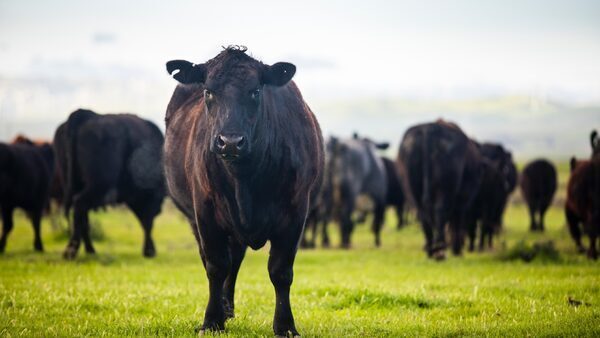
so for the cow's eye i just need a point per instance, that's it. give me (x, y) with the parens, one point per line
(255, 94)
(208, 95)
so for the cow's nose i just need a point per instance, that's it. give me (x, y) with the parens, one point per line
(230, 144)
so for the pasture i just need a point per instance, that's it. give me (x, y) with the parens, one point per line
(367, 292)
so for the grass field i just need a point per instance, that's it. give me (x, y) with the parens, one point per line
(367, 292)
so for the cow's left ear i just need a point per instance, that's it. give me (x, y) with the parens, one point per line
(186, 72)
(278, 74)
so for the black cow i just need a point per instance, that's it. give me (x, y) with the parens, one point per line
(395, 195)
(25, 174)
(538, 185)
(109, 159)
(56, 185)
(583, 203)
(243, 160)
(440, 170)
(321, 212)
(498, 181)
(358, 171)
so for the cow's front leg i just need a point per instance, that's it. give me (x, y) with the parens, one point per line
(217, 262)
(281, 272)
(237, 252)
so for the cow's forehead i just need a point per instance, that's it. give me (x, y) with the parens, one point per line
(235, 76)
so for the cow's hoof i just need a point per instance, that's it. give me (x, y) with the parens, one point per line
(204, 332)
(149, 252)
(289, 334)
(213, 328)
(70, 253)
(439, 255)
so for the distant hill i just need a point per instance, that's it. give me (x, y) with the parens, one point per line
(529, 126)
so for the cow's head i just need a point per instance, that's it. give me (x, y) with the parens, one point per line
(234, 84)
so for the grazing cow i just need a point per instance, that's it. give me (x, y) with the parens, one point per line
(538, 184)
(25, 174)
(498, 181)
(56, 185)
(583, 203)
(109, 159)
(595, 141)
(395, 194)
(358, 171)
(243, 160)
(440, 170)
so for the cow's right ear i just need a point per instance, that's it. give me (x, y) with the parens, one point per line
(573, 163)
(594, 140)
(186, 72)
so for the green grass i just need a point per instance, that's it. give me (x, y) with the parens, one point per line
(366, 292)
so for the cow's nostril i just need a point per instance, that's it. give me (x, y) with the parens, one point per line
(220, 141)
(241, 143)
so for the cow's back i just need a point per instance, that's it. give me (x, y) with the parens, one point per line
(27, 178)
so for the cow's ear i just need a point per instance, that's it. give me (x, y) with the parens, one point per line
(573, 163)
(186, 72)
(594, 139)
(382, 146)
(278, 74)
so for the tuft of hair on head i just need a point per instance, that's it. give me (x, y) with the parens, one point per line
(235, 48)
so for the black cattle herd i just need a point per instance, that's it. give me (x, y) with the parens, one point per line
(243, 158)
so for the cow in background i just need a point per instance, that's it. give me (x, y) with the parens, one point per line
(25, 175)
(440, 170)
(321, 212)
(395, 195)
(538, 185)
(498, 181)
(358, 171)
(105, 160)
(56, 184)
(583, 203)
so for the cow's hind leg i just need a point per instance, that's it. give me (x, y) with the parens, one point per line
(573, 222)
(36, 218)
(237, 252)
(324, 233)
(378, 222)
(146, 217)
(81, 207)
(7, 226)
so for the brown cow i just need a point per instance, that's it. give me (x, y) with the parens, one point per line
(243, 160)
(583, 203)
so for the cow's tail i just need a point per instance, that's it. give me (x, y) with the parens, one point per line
(76, 119)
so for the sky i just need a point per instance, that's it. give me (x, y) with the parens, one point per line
(109, 55)
(415, 48)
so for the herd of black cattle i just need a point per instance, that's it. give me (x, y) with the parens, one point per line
(244, 160)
